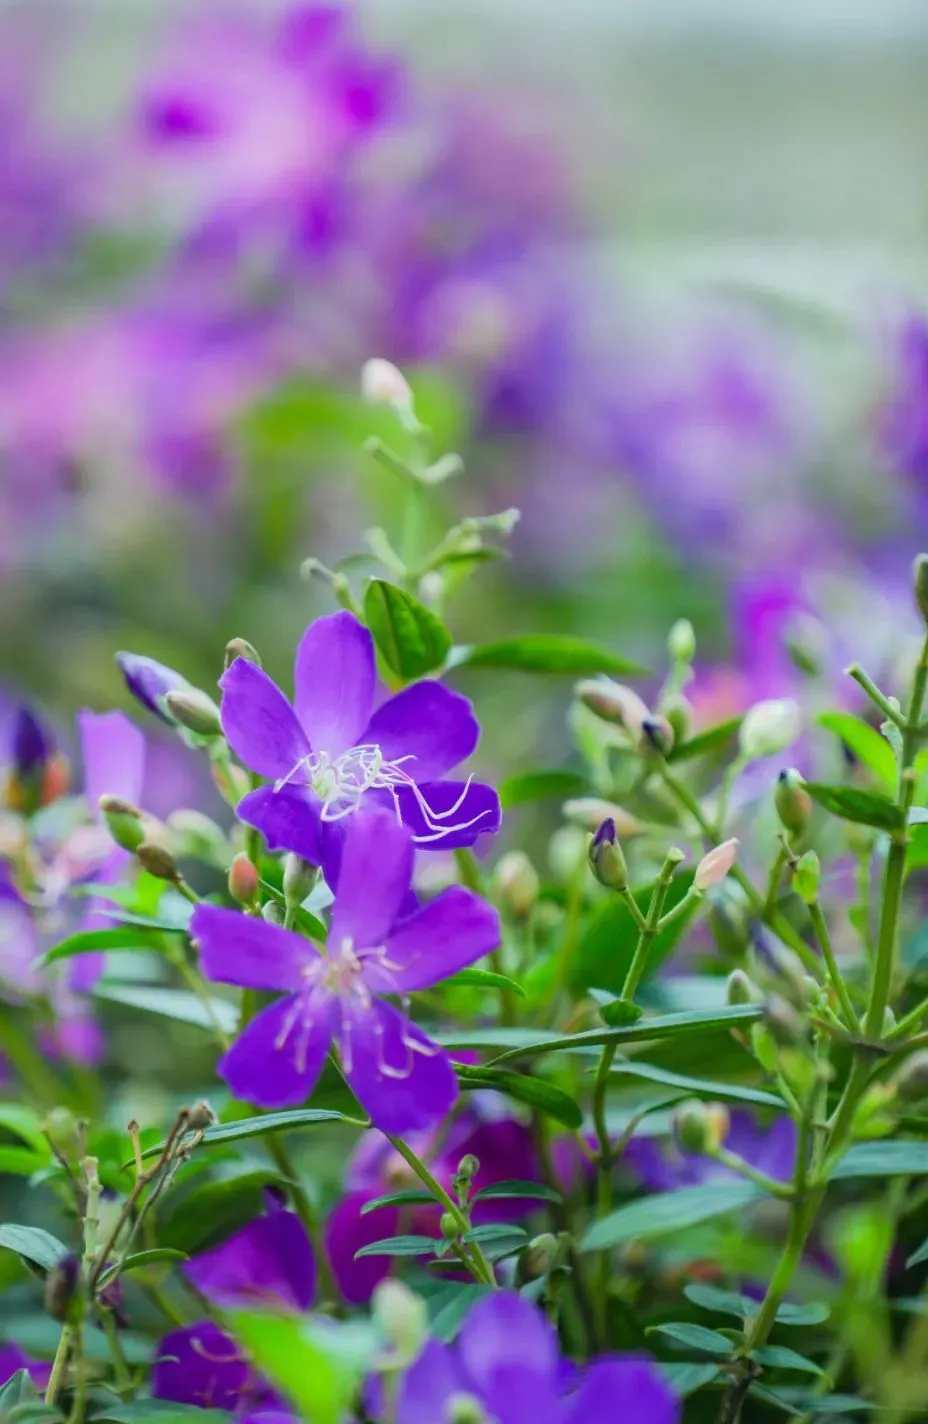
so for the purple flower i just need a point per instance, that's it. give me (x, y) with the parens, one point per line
(663, 1168)
(150, 682)
(904, 418)
(402, 1079)
(269, 1261)
(506, 1361)
(331, 755)
(31, 744)
(13, 1359)
(200, 1365)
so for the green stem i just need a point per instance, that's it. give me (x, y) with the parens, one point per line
(474, 1257)
(120, 1364)
(737, 1164)
(79, 1402)
(773, 884)
(890, 712)
(59, 1365)
(820, 927)
(304, 1210)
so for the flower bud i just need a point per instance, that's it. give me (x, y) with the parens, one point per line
(382, 383)
(912, 1079)
(201, 1116)
(299, 879)
(920, 584)
(715, 865)
(150, 682)
(793, 802)
(240, 648)
(806, 876)
(590, 812)
(125, 822)
(764, 1047)
(537, 1258)
(769, 727)
(606, 859)
(465, 1409)
(272, 913)
(194, 836)
(619, 1013)
(65, 1135)
(243, 880)
(740, 990)
(656, 736)
(195, 711)
(63, 1293)
(401, 1317)
(700, 1128)
(448, 1225)
(681, 641)
(679, 713)
(468, 1167)
(783, 1022)
(612, 702)
(516, 884)
(37, 773)
(157, 860)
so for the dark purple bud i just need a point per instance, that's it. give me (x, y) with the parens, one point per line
(606, 859)
(62, 1290)
(37, 774)
(31, 745)
(150, 682)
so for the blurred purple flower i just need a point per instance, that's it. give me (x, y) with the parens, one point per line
(13, 1359)
(201, 1365)
(332, 756)
(663, 1167)
(269, 1261)
(903, 417)
(400, 1077)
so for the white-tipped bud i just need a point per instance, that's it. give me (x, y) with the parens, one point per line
(715, 865)
(769, 728)
(382, 383)
(613, 702)
(681, 641)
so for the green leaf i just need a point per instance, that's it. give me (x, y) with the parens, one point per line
(525, 1191)
(482, 979)
(697, 1087)
(399, 1246)
(664, 1026)
(196, 1220)
(731, 1303)
(157, 1255)
(176, 1004)
(177, 922)
(497, 1239)
(36, 1245)
(865, 808)
(533, 1091)
(918, 1256)
(866, 744)
(122, 937)
(540, 786)
(686, 1378)
(901, 1158)
(782, 1358)
(449, 1306)
(261, 1126)
(664, 1212)
(155, 1411)
(21, 1161)
(411, 638)
(799, 1399)
(714, 739)
(609, 938)
(22, 1122)
(695, 1337)
(18, 1389)
(546, 652)
(414, 1196)
(317, 1364)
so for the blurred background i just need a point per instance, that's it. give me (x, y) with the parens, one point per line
(656, 269)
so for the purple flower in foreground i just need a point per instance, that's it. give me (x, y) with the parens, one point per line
(663, 1168)
(201, 1365)
(331, 756)
(505, 1364)
(13, 1359)
(402, 1079)
(269, 1261)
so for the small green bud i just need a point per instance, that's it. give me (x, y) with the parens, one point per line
(764, 1047)
(769, 727)
(806, 877)
(920, 584)
(516, 884)
(679, 713)
(194, 710)
(125, 822)
(239, 648)
(448, 1226)
(740, 990)
(65, 1134)
(243, 880)
(620, 1013)
(681, 641)
(656, 736)
(793, 803)
(299, 879)
(701, 1127)
(537, 1258)
(612, 702)
(606, 859)
(464, 1409)
(157, 860)
(468, 1167)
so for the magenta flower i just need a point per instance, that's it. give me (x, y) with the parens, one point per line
(200, 1365)
(506, 1362)
(330, 755)
(269, 1261)
(402, 1079)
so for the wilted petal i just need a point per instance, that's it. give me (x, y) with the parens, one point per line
(261, 726)
(288, 819)
(346, 1231)
(458, 813)
(113, 752)
(201, 1365)
(429, 1384)
(452, 932)
(247, 951)
(334, 681)
(277, 1060)
(373, 879)
(428, 723)
(400, 1077)
(270, 1260)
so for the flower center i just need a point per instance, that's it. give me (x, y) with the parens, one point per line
(341, 783)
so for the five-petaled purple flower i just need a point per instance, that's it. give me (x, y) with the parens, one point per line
(270, 1260)
(505, 1365)
(331, 755)
(402, 1079)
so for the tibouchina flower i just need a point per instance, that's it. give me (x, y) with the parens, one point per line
(330, 755)
(201, 1365)
(402, 1079)
(270, 1261)
(504, 1367)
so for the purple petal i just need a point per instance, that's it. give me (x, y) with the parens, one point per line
(452, 932)
(429, 1384)
(19, 947)
(261, 726)
(459, 813)
(403, 1089)
(334, 682)
(149, 682)
(245, 950)
(346, 1231)
(333, 845)
(277, 1060)
(201, 1365)
(288, 819)
(85, 971)
(113, 752)
(610, 1387)
(269, 1261)
(31, 744)
(373, 879)
(429, 723)
(485, 1342)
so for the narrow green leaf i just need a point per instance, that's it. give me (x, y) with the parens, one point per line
(449, 1306)
(155, 1411)
(18, 1389)
(546, 652)
(799, 1400)
(411, 638)
(664, 1026)
(697, 1087)
(156, 1256)
(482, 979)
(534, 1091)
(36, 1245)
(714, 739)
(732, 1303)
(400, 1246)
(497, 1240)
(177, 922)
(412, 1197)
(261, 1126)
(176, 1004)
(22, 1122)
(865, 808)
(664, 1212)
(784, 1359)
(866, 744)
(901, 1158)
(531, 786)
(694, 1337)
(686, 1378)
(122, 937)
(526, 1191)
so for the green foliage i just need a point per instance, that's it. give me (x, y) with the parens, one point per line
(411, 638)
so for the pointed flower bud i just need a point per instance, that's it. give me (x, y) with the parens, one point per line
(740, 990)
(272, 913)
(157, 860)
(681, 641)
(656, 736)
(243, 880)
(612, 702)
(715, 865)
(401, 1317)
(679, 713)
(63, 1290)
(700, 1127)
(240, 648)
(920, 584)
(194, 710)
(537, 1259)
(468, 1167)
(299, 879)
(448, 1225)
(37, 774)
(606, 859)
(150, 682)
(516, 884)
(793, 802)
(769, 728)
(382, 383)
(31, 744)
(125, 822)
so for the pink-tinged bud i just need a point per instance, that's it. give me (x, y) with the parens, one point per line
(715, 865)
(240, 648)
(243, 880)
(613, 702)
(157, 860)
(382, 383)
